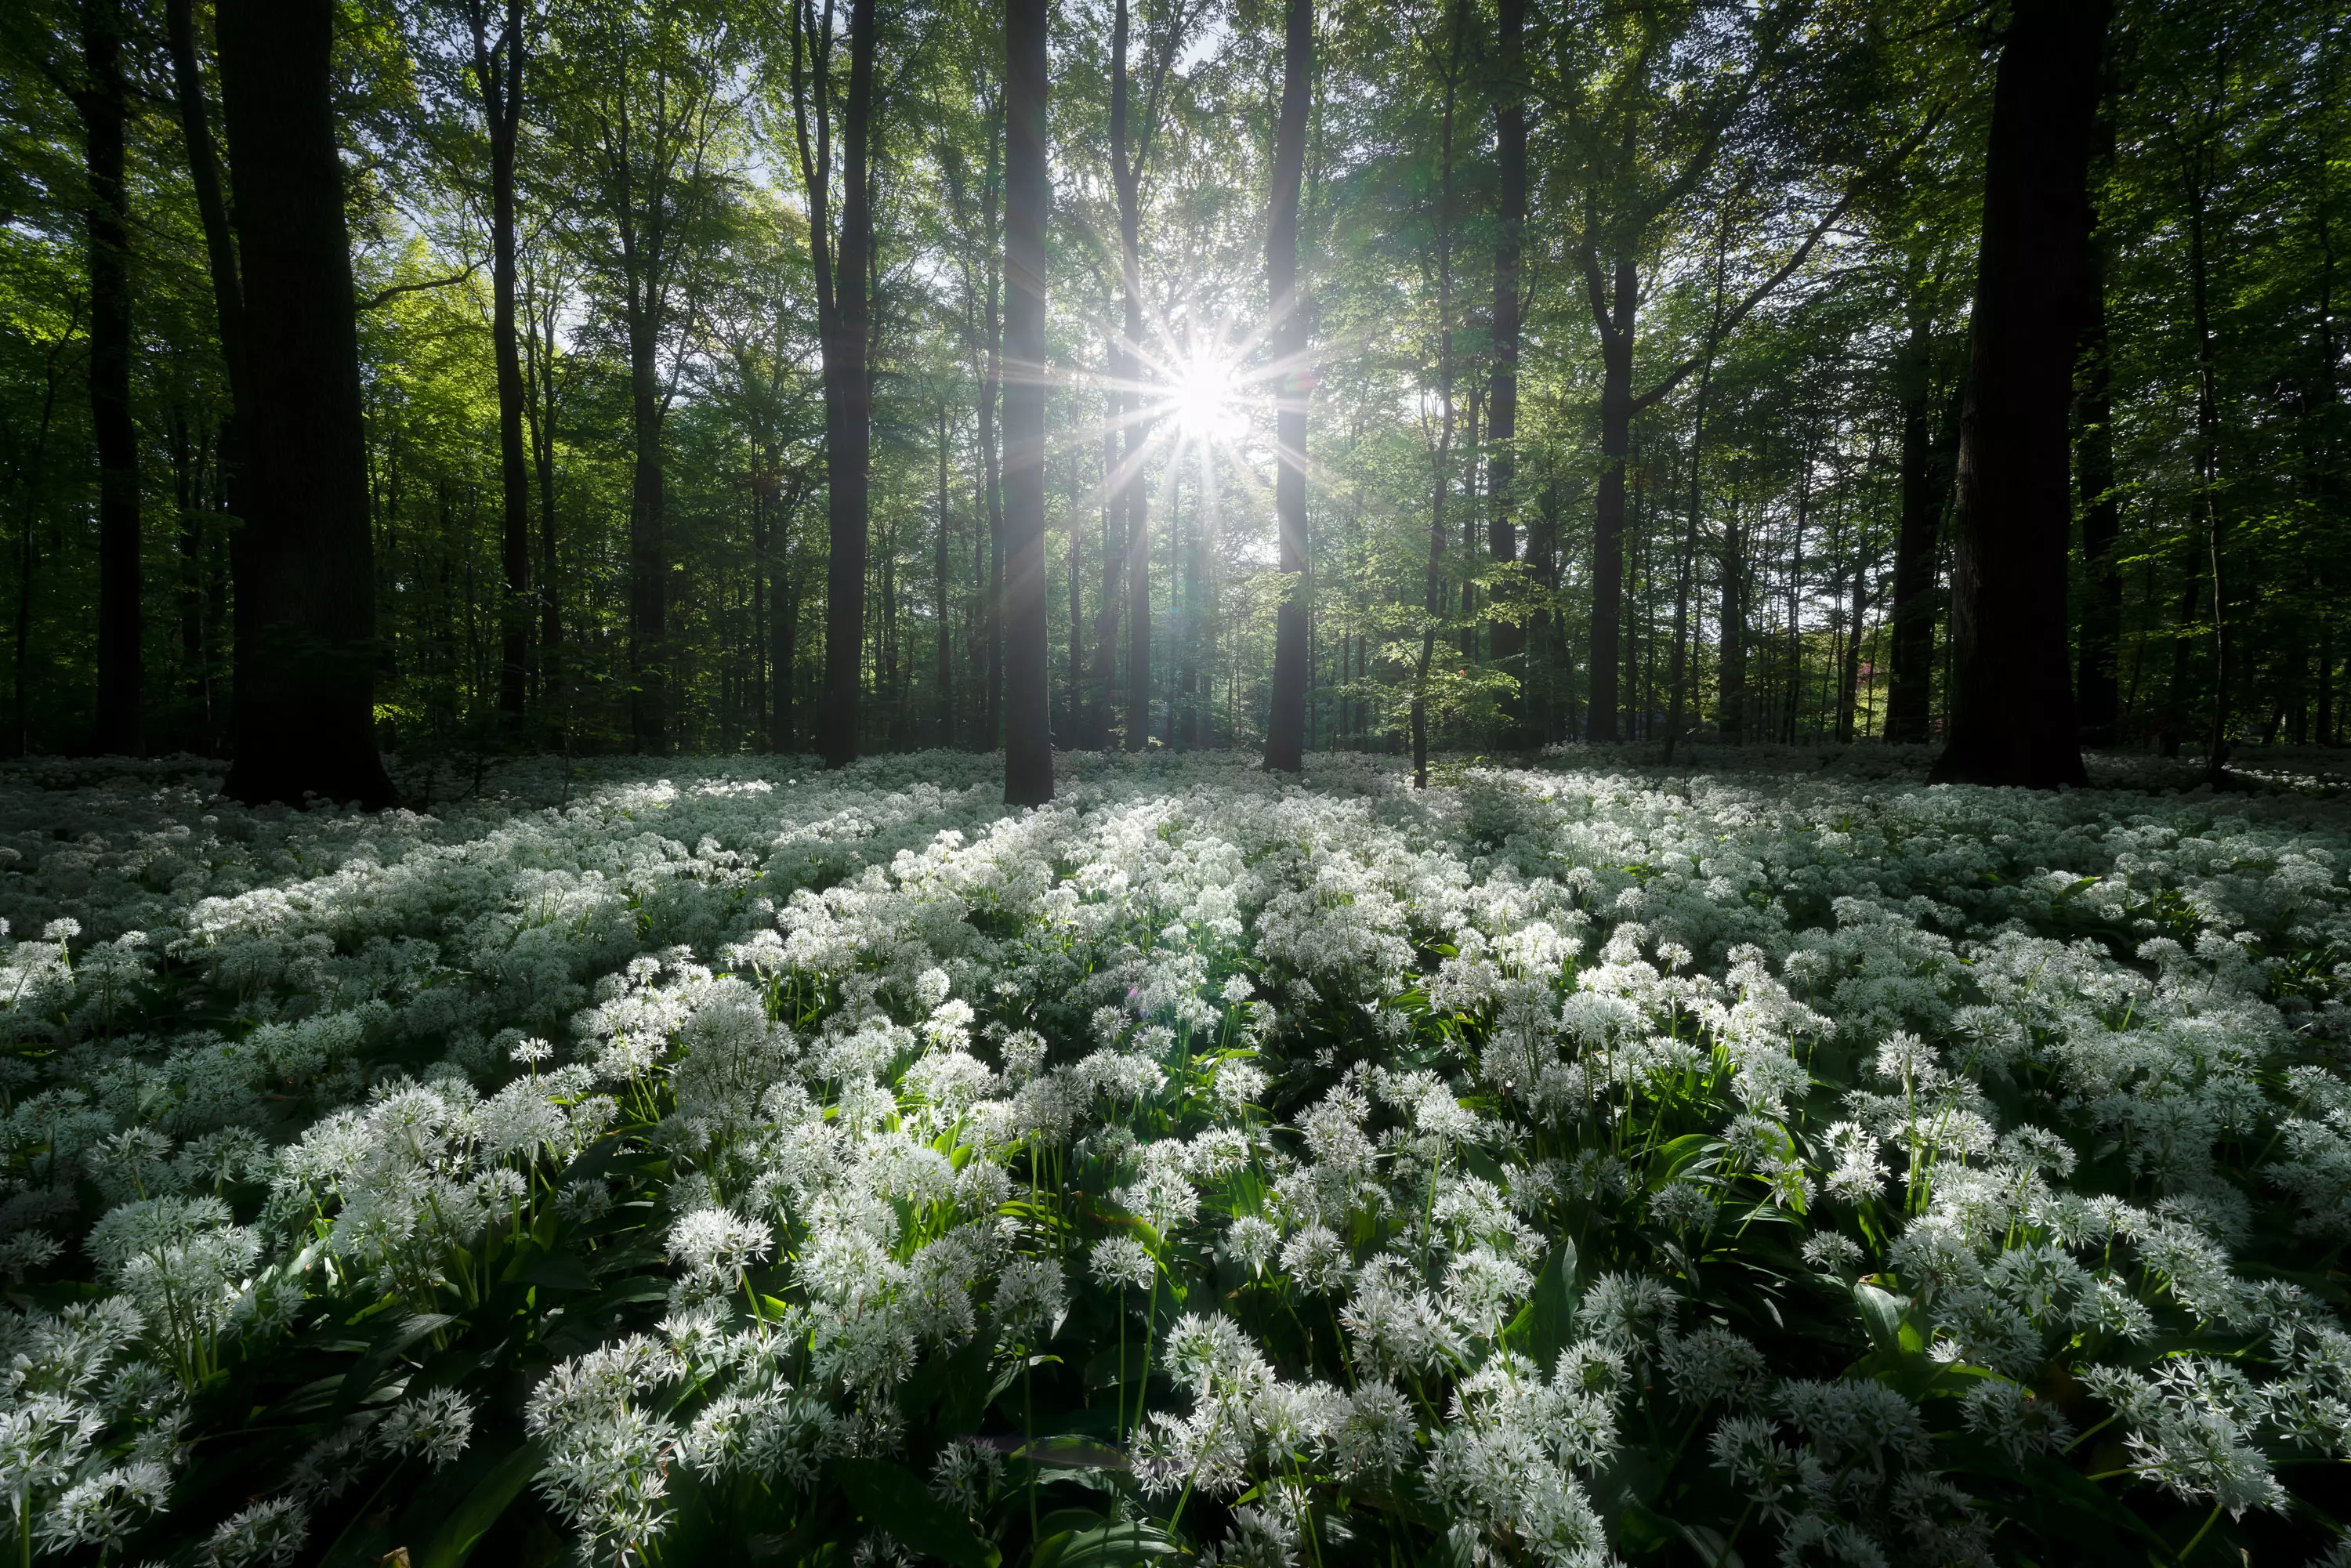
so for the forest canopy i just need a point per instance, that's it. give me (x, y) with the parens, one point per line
(1623, 351)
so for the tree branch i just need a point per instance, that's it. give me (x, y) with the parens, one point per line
(397, 289)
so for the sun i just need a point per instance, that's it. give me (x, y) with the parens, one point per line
(1206, 395)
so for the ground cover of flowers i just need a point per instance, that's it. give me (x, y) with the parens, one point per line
(712, 1162)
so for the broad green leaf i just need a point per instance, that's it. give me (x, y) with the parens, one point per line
(890, 1496)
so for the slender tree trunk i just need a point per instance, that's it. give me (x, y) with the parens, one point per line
(2208, 463)
(498, 75)
(648, 554)
(1285, 736)
(306, 576)
(1676, 698)
(1849, 677)
(1506, 640)
(538, 404)
(187, 465)
(1106, 607)
(220, 243)
(2096, 690)
(1608, 513)
(2012, 698)
(1129, 497)
(991, 465)
(1073, 733)
(783, 626)
(1910, 691)
(1188, 673)
(1473, 520)
(1730, 675)
(848, 402)
(1027, 197)
(945, 674)
(107, 226)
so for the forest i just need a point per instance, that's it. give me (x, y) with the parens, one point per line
(1094, 783)
(1624, 352)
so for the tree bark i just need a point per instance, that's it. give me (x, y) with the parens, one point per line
(2012, 699)
(498, 75)
(107, 225)
(305, 571)
(1285, 736)
(1027, 197)
(848, 407)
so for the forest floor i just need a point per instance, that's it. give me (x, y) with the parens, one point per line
(1581, 1156)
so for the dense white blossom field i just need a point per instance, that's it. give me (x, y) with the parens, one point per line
(1569, 1166)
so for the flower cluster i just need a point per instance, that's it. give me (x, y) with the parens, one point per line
(1559, 1164)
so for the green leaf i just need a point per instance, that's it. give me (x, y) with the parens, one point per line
(1881, 1315)
(453, 1540)
(1544, 1324)
(889, 1497)
(1108, 1546)
(1071, 1451)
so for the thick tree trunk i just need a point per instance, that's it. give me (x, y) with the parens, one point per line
(1285, 735)
(1027, 196)
(1608, 512)
(2012, 698)
(498, 75)
(849, 406)
(1911, 686)
(107, 224)
(305, 572)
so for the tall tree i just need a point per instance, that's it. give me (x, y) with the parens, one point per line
(845, 323)
(1130, 153)
(1910, 685)
(1506, 639)
(636, 92)
(2011, 701)
(304, 559)
(1285, 735)
(497, 78)
(1648, 120)
(1027, 197)
(106, 223)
